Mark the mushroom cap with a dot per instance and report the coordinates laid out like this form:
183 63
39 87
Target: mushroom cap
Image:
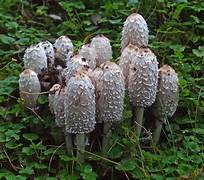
89 53
49 51
168 93
64 48
111 91
79 104
143 78
51 96
103 49
126 57
58 107
77 62
135 31
28 84
35 58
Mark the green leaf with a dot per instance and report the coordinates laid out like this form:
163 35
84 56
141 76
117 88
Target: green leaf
116 21
2 137
28 151
67 158
115 152
4 127
126 165
31 136
12 144
199 52
27 170
198 131
88 173
178 10
51 178
42 99
177 47
8 85
6 39
11 133
39 165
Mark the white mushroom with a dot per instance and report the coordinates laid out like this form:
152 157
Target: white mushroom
142 83
103 49
64 50
51 96
49 51
167 98
126 57
89 53
29 87
135 31
77 62
35 58
79 109
110 97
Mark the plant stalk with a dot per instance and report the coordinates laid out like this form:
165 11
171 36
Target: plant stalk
106 134
80 142
139 111
68 141
157 131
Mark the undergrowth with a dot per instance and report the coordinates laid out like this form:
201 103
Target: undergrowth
32 147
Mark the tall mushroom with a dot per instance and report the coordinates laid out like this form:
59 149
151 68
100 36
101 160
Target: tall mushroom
89 53
58 107
142 83
63 50
167 98
29 87
79 105
135 31
110 91
103 49
35 58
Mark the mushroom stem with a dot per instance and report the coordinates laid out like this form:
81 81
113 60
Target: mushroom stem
139 111
80 142
106 134
68 141
157 131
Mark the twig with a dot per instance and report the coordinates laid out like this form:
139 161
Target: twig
12 165
53 155
45 92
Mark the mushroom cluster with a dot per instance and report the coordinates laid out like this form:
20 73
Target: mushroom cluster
140 68
86 88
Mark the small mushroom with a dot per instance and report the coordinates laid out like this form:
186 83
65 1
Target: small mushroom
167 98
103 49
79 105
110 98
89 53
35 58
135 31
51 96
63 50
142 83
49 51
29 87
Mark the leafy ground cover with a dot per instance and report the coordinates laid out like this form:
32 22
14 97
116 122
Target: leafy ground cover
30 144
